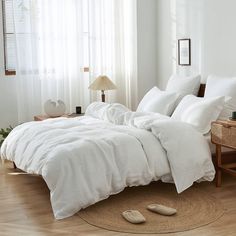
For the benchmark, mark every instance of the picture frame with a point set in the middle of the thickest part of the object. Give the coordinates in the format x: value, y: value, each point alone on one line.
x: 184, y: 52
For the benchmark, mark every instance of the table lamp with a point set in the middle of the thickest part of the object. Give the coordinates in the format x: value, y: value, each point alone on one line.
x: 102, y: 83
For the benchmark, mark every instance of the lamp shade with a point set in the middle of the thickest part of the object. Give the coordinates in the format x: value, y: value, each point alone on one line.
x: 102, y: 83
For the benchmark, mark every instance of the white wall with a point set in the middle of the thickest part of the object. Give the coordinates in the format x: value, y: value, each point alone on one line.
x: 219, y: 37
x: 211, y: 26
x: 147, y: 45
x: 164, y: 42
x: 8, y: 101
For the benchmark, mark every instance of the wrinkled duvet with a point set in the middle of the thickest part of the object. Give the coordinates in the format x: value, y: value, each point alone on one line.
x: 84, y: 160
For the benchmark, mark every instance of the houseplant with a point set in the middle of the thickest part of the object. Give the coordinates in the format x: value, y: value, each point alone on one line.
x: 4, y: 133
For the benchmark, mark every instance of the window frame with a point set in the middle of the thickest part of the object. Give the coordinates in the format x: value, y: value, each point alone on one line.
x: 7, y: 72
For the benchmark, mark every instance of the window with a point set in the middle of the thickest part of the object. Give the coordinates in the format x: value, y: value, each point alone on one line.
x: 9, y: 37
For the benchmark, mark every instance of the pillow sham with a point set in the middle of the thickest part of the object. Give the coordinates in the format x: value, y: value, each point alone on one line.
x: 199, y: 112
x: 158, y: 101
x: 184, y: 85
x: 222, y: 86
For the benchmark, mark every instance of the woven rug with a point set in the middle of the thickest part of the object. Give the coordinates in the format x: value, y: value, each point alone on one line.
x: 195, y: 208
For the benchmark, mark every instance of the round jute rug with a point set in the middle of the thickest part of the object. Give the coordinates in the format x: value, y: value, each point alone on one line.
x: 195, y: 208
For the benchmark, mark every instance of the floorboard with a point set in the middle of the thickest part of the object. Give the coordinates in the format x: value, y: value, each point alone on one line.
x: 25, y: 209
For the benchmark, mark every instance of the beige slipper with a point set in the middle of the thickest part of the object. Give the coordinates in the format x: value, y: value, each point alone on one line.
x: 160, y: 209
x: 133, y: 216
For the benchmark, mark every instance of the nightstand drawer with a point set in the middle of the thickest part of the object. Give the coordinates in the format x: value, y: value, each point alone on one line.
x: 223, y: 135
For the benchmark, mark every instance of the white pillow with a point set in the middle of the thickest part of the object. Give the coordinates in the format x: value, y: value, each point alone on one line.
x: 222, y: 86
x: 199, y: 112
x: 184, y: 85
x: 158, y: 101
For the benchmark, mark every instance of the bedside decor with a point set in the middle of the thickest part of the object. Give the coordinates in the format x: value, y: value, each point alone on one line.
x: 102, y: 83
x: 78, y: 110
x: 233, y: 117
x: 54, y: 109
x: 184, y: 52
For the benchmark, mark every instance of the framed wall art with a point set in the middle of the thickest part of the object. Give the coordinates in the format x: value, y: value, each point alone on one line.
x: 184, y: 52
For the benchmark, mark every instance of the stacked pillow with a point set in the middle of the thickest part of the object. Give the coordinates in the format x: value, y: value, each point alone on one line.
x: 218, y: 103
x: 219, y: 100
x: 199, y: 112
x: 158, y: 101
x: 164, y: 102
x: 184, y: 85
x: 222, y: 86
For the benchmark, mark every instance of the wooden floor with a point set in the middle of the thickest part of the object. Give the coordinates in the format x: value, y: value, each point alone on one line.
x: 25, y: 209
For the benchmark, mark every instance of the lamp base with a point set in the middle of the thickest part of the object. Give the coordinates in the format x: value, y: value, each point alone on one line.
x: 103, y: 97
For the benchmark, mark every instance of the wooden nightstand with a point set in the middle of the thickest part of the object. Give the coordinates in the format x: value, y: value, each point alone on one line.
x: 223, y: 133
x: 44, y: 117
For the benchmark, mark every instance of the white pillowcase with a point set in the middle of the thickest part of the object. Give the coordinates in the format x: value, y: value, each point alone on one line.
x: 184, y: 85
x: 158, y: 101
x: 199, y: 112
x: 222, y: 86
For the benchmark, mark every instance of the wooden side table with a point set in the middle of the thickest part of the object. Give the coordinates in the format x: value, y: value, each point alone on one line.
x: 223, y: 133
x: 44, y: 117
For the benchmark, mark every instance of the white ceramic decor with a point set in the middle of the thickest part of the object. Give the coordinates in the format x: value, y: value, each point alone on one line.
x: 54, y: 109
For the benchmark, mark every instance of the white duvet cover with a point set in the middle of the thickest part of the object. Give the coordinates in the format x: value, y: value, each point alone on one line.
x: 84, y: 160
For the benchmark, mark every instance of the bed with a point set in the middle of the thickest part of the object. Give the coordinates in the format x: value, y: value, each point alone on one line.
x: 84, y: 160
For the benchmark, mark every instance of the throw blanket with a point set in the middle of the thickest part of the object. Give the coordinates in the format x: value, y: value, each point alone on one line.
x: 84, y: 160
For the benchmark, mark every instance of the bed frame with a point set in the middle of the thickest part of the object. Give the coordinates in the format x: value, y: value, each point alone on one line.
x: 201, y: 91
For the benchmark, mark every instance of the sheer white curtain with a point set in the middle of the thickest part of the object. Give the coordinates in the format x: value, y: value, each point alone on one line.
x: 56, y: 39
x: 113, y: 46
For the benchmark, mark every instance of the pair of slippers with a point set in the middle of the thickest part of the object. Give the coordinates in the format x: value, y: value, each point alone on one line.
x: 135, y: 217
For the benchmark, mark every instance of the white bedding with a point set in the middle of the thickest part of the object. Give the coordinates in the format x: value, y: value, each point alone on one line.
x: 84, y: 160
